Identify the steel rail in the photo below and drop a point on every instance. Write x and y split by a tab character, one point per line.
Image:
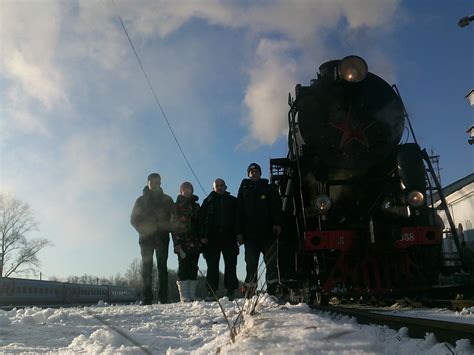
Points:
444	331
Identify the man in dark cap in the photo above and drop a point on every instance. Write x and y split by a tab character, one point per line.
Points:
217	224
151	218
258	225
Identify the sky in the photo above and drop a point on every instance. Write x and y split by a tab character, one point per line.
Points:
80	129
200	328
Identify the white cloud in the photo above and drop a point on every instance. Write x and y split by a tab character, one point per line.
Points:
164	17
41	83
20	117
33	80
91	31
96	35
299	25
370	13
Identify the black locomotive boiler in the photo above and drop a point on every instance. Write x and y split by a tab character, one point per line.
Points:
358	221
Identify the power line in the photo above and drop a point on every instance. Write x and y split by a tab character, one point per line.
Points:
158	102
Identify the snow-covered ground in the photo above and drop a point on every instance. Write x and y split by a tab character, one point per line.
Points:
199	327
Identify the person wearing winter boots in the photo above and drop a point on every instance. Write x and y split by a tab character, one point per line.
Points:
217	224
185	224
151	218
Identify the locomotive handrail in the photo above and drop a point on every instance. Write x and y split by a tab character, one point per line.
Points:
291	121
394	87
445	207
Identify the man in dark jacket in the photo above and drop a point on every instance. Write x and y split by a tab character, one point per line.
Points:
217	230
258	225
151	218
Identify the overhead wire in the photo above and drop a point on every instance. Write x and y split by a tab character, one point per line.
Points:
155	96
119	331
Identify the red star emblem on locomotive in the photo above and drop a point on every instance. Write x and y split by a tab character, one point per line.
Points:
352	130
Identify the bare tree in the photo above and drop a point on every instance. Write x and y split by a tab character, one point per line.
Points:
133	274
17	253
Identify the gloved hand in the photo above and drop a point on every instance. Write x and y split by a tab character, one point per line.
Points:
240	239
178	250
182	254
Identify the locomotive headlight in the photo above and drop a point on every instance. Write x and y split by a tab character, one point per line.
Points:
323	203
415	198
353	69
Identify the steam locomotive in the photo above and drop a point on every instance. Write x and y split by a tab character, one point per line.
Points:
355	199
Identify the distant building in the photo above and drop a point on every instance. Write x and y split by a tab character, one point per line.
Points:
470	97
460	199
470	131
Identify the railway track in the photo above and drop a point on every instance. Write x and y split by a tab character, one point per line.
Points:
456	305
445	331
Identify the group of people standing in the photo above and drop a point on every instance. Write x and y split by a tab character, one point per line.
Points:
219	226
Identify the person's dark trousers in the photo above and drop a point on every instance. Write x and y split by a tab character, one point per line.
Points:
230	252
162	263
212	256
253	248
147	269
188	267
147	248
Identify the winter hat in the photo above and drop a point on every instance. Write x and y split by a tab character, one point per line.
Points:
254	166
